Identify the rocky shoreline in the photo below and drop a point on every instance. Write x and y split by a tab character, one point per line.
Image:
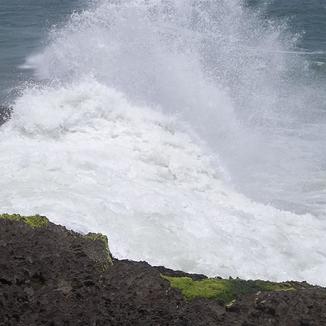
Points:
53	276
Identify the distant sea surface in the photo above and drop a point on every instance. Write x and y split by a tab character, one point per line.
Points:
24	25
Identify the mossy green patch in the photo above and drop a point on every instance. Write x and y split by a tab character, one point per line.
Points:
35	221
223	290
104	239
99	236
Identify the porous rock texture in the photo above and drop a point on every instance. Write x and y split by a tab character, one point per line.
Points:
52	276
5	114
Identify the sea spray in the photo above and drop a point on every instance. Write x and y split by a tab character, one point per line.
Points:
180	129
224	70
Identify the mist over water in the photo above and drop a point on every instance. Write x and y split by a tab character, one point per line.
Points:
191	132
24	25
223	70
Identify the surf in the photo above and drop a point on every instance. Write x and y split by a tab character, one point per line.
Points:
193	142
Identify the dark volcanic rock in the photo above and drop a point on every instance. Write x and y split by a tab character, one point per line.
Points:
52	276
5	114
170	272
305	307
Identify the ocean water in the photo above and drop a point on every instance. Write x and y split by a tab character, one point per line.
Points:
191	132
24	25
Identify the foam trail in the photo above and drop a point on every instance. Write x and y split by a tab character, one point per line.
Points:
153	122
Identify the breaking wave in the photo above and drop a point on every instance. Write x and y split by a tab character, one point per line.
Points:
191	132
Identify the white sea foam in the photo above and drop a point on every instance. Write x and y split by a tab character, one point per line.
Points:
92	161
182	129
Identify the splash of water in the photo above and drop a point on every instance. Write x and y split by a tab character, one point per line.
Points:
156	121
225	71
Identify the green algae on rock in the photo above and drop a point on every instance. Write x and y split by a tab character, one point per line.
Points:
66	278
95	245
224	290
103	239
35	221
100	237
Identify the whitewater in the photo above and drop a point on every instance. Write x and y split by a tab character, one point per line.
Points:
192	133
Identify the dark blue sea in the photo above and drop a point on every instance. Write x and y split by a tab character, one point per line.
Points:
24	25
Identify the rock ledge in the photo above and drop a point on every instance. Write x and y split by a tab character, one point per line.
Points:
53	276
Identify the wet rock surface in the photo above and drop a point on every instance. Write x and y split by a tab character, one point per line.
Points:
5	114
52	276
